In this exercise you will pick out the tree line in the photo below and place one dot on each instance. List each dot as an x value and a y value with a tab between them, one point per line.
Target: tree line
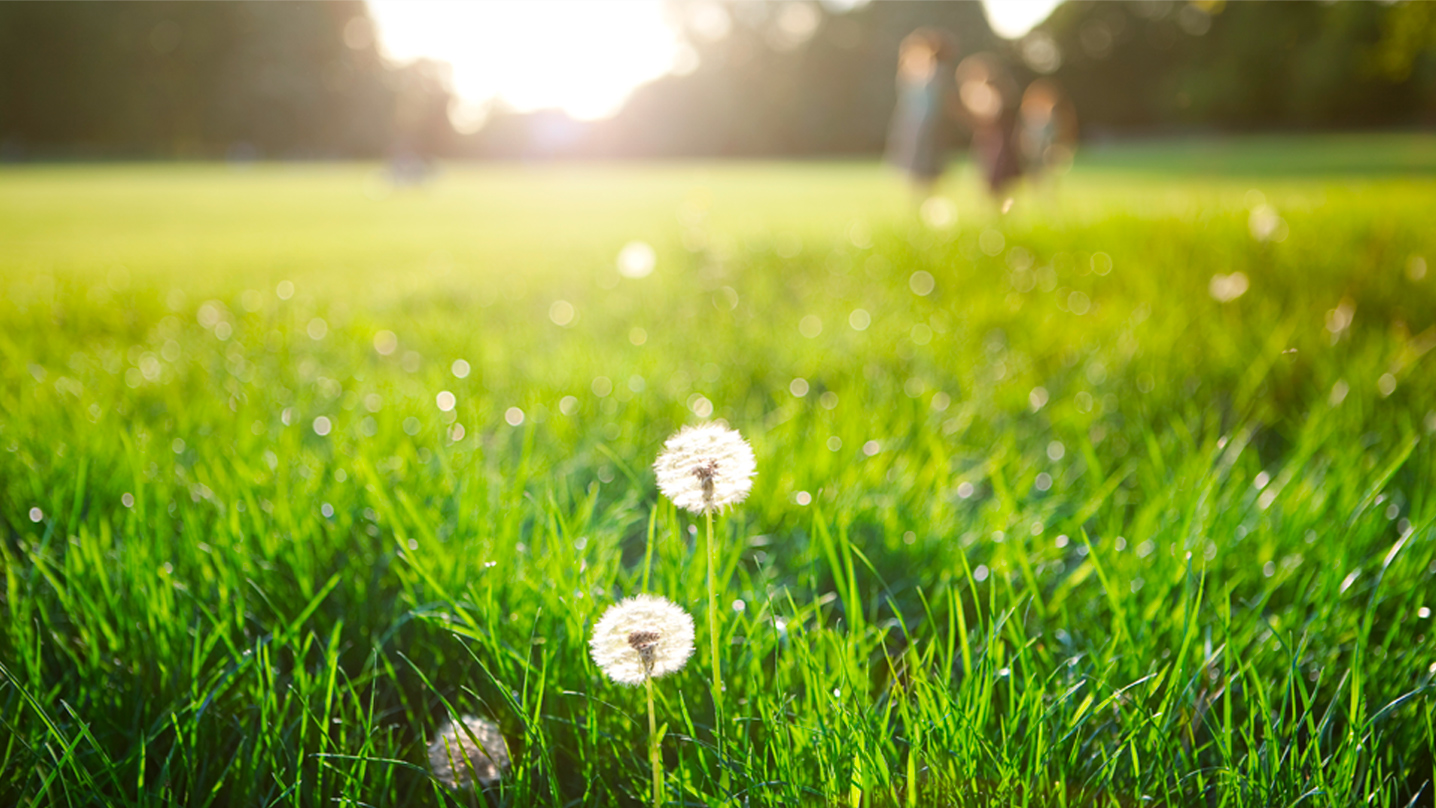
272	79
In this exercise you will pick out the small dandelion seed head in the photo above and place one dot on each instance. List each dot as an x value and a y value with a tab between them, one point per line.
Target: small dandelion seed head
467	752
642	637
706	468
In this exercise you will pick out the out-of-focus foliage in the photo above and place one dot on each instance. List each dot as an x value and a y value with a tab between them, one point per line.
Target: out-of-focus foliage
1408	45
208	79
1243	65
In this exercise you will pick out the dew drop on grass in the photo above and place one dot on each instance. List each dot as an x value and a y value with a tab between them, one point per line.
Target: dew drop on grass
803	498
921	283
636	260
561	312
798	387
828	399
460	369
386	342
1101	263
567	405
1349	580
36	514
964	490
859	319
871	448
909	537
739	605
1386	385
810	326
941	401
1037	398
1423	612
513	416
445	401
1416	268
127	499
991	242
322	426
1043	482
835	443
700	405
327	510
1062	541
938	213
177	445
980	574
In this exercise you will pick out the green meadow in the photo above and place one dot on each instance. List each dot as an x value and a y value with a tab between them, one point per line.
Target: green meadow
1124	497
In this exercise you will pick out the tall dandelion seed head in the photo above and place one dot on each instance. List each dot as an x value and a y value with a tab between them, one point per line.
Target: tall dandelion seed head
705	468
459	762
643	636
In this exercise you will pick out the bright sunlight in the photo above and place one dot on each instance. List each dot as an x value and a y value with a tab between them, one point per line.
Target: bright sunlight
581	57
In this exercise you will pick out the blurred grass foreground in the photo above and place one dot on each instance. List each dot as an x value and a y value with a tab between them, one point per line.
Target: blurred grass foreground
1122	498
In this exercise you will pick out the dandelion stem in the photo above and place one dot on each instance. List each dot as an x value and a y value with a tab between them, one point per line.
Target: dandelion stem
713	644
655	756
648	553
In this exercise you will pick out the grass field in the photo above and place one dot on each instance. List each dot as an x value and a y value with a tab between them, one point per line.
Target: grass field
294	466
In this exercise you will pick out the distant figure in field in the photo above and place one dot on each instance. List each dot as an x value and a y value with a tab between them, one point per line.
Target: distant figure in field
915	138
987	103
1047	130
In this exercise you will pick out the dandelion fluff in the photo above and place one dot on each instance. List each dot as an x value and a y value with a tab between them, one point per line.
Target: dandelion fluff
468	751
642	637
705	468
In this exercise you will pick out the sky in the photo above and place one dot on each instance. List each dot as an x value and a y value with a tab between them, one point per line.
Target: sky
582	56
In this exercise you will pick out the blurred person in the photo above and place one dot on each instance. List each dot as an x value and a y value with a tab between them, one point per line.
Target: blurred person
915	137
987	104
1047	130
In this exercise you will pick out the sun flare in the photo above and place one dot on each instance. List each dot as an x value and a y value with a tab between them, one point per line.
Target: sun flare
582	57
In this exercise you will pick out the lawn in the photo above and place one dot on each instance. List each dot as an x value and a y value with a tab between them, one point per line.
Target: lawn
1125	497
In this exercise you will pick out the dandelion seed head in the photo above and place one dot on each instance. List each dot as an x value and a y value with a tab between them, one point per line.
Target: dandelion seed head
467	752
641	637
705	468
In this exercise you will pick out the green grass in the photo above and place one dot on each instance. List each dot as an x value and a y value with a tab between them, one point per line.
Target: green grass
1050	534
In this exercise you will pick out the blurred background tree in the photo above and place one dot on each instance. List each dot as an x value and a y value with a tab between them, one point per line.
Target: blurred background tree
1239	66
282	79
160	79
